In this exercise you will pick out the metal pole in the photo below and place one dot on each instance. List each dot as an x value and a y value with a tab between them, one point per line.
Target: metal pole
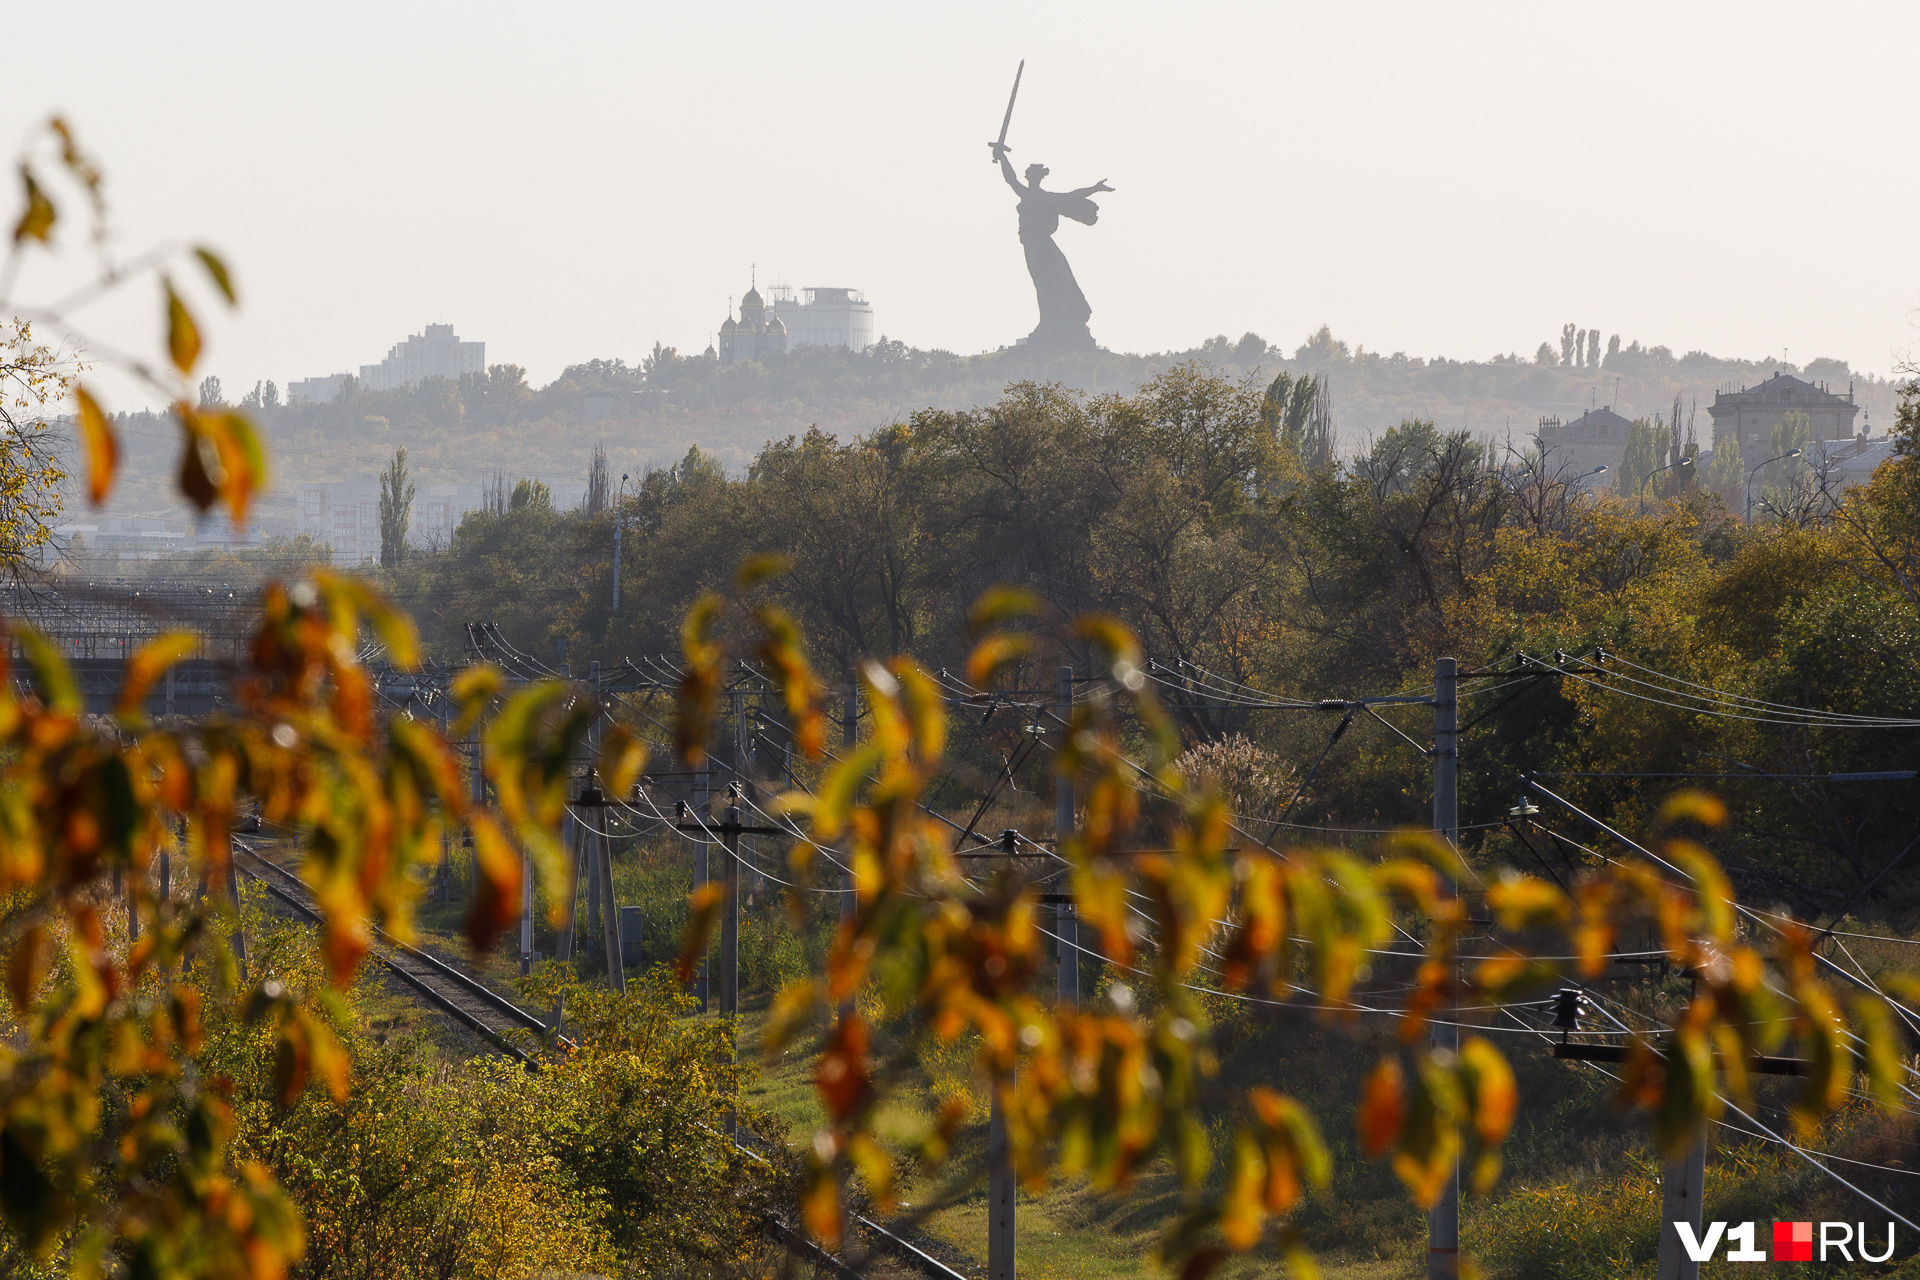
1000	1189
1066	923
730	948
443	876
1681	1188
1443	1220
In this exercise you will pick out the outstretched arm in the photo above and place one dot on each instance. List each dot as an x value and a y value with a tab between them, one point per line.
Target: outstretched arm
1093	190
1006	167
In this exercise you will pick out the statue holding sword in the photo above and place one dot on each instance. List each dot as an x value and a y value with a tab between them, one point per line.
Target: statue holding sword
1063	308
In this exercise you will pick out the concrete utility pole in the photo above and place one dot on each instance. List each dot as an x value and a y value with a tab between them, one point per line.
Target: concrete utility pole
1000	1191
1066	922
239	938
849	735
1443	1220
600	845
1681	1189
563	946
702	866
730	944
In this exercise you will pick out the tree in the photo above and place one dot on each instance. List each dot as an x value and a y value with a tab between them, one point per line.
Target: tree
531	495
1568	336
1544	355
1644	455
210	392
271	400
32	378
599	494
1613	349
1726	474
396	510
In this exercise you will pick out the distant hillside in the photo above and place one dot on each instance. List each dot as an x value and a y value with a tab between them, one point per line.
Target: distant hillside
651	413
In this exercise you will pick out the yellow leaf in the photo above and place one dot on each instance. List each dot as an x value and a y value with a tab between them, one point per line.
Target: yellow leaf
183	335
217	272
622	758
993	654
243	463
703	911
149	664
756	569
36	220
998	604
1698	806
102	449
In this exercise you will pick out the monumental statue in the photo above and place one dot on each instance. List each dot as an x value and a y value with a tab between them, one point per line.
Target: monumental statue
1063	308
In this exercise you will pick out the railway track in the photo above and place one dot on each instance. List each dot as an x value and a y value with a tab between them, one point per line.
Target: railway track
489	1014
462	997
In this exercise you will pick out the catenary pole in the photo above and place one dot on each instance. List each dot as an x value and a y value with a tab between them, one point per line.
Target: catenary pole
1066	922
1681	1189
730	945
1443	1220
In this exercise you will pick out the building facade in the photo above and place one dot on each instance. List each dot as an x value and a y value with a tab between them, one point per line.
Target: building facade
1597	438
345	515
436	353
821	317
323	390
825	317
1749	415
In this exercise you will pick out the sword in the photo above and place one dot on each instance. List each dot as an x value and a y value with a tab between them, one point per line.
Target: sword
1007	119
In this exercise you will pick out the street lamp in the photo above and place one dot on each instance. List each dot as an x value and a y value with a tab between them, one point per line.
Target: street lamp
617	526
1684	462
1791	453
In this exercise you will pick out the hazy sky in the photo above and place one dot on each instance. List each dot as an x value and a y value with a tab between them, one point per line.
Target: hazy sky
572	181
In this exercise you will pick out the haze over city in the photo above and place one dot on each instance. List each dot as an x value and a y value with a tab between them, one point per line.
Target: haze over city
583	182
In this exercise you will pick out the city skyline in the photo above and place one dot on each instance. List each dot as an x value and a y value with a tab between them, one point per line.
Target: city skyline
1430	184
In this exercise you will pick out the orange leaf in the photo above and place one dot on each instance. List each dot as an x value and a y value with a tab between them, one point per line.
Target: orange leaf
1383	1107
496	899
703	911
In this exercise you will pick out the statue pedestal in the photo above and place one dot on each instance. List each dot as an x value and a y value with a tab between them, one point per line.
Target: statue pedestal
1060	337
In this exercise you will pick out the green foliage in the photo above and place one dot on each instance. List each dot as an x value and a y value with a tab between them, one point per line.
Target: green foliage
396	510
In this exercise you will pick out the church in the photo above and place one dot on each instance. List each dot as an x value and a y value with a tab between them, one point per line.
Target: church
755	334
821	317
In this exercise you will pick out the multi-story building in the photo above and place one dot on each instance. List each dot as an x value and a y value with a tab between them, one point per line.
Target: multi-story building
1750	414
826	317
322	390
437	353
345	515
1597	438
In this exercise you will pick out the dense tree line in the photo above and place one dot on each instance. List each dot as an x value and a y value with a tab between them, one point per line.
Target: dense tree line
1187	511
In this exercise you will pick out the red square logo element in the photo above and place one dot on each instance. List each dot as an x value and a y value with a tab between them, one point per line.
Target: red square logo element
1793	1242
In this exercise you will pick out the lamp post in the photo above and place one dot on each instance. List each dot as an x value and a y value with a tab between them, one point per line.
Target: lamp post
1684	462
617	525
1791	453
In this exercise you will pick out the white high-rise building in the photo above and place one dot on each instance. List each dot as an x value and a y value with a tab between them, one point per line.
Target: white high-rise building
437	353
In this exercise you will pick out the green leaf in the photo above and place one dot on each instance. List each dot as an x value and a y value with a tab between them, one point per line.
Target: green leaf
217	272
51	675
